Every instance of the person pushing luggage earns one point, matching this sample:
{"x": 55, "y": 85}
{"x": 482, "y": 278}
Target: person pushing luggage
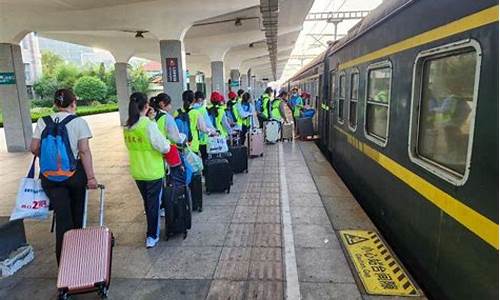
{"x": 65, "y": 186}
{"x": 277, "y": 107}
{"x": 146, "y": 146}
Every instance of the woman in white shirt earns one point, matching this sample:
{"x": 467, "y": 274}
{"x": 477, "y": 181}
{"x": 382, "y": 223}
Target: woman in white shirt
{"x": 67, "y": 197}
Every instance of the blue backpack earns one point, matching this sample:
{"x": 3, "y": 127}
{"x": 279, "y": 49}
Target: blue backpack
{"x": 182, "y": 122}
{"x": 212, "y": 114}
{"x": 57, "y": 162}
{"x": 258, "y": 105}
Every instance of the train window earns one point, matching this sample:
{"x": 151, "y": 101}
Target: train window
{"x": 332, "y": 89}
{"x": 445, "y": 93}
{"x": 341, "y": 99}
{"x": 377, "y": 103}
{"x": 353, "y": 101}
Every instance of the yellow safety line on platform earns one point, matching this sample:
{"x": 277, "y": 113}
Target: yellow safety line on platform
{"x": 468, "y": 217}
{"x": 484, "y": 17}
{"x": 379, "y": 272}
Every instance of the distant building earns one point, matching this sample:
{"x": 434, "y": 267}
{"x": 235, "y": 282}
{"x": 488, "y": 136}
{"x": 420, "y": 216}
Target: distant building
{"x": 32, "y": 61}
{"x": 77, "y": 54}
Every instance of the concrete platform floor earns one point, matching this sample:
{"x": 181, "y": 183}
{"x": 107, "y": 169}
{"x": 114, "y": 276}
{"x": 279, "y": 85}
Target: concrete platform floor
{"x": 239, "y": 246}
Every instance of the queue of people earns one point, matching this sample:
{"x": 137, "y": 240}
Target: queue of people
{"x": 153, "y": 131}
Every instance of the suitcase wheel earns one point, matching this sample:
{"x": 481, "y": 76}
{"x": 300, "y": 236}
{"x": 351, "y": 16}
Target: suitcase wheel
{"x": 63, "y": 296}
{"x": 200, "y": 209}
{"x": 262, "y": 154}
{"x": 103, "y": 292}
{"x": 246, "y": 171}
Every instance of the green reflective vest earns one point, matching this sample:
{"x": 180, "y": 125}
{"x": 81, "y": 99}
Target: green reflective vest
{"x": 236, "y": 112}
{"x": 193, "y": 115}
{"x": 246, "y": 121}
{"x": 220, "y": 110}
{"x": 193, "y": 125}
{"x": 202, "y": 110}
{"x": 161, "y": 124}
{"x": 265, "y": 105}
{"x": 146, "y": 163}
{"x": 299, "y": 105}
{"x": 275, "y": 109}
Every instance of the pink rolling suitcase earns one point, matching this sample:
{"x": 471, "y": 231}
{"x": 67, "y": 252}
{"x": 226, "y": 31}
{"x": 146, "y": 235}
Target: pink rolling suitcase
{"x": 255, "y": 143}
{"x": 85, "y": 264}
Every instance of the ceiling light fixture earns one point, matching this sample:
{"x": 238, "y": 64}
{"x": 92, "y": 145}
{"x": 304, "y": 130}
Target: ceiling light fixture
{"x": 139, "y": 34}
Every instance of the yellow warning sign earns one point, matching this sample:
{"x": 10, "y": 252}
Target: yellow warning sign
{"x": 380, "y": 273}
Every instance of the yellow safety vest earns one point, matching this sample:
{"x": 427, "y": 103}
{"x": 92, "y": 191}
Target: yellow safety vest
{"x": 146, "y": 163}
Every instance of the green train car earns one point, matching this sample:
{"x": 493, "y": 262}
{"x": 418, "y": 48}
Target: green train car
{"x": 408, "y": 115}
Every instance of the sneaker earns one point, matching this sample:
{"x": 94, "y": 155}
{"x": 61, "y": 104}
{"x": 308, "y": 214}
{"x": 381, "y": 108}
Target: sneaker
{"x": 151, "y": 242}
{"x": 162, "y": 213}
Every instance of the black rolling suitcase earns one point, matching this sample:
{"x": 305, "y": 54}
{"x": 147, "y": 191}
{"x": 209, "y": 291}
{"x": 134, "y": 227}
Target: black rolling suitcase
{"x": 178, "y": 211}
{"x": 219, "y": 174}
{"x": 239, "y": 155}
{"x": 196, "y": 193}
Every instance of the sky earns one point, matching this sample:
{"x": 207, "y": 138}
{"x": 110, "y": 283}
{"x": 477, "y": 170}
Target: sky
{"x": 307, "y": 46}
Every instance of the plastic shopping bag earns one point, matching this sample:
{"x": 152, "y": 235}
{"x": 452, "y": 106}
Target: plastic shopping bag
{"x": 216, "y": 145}
{"x": 194, "y": 161}
{"x": 31, "y": 202}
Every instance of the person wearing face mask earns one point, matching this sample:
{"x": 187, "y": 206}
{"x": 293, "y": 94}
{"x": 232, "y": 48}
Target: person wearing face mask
{"x": 246, "y": 110}
{"x": 146, "y": 146}
{"x": 162, "y": 105}
{"x": 200, "y": 106}
{"x": 193, "y": 119}
{"x": 296, "y": 103}
{"x": 217, "y": 112}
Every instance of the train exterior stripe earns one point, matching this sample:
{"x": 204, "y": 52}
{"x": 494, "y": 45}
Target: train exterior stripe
{"x": 483, "y": 227}
{"x": 484, "y": 17}
{"x": 445, "y": 231}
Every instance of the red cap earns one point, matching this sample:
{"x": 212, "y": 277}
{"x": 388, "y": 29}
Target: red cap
{"x": 216, "y": 97}
{"x": 232, "y": 95}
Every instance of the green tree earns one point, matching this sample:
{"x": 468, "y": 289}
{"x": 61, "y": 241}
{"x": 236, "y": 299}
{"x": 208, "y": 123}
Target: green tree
{"x": 66, "y": 75}
{"x": 101, "y": 73}
{"x": 89, "y": 88}
{"x": 50, "y": 61}
{"x": 141, "y": 82}
{"x": 46, "y": 87}
{"x": 89, "y": 70}
{"x": 110, "y": 81}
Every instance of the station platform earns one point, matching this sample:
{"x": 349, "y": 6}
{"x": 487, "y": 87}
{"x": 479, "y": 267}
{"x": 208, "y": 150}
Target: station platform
{"x": 275, "y": 236}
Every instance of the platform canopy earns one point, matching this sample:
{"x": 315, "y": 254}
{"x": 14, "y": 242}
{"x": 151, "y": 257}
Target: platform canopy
{"x": 236, "y": 31}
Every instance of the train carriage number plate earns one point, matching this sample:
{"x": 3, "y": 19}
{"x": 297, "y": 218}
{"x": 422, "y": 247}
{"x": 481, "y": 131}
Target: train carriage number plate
{"x": 379, "y": 272}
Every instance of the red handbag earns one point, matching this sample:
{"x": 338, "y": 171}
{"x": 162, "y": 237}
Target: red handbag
{"x": 172, "y": 157}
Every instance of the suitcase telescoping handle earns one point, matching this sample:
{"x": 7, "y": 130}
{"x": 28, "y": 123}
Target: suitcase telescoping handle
{"x": 101, "y": 188}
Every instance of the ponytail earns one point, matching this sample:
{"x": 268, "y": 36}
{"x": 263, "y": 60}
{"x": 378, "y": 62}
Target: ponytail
{"x": 137, "y": 103}
{"x": 154, "y": 103}
{"x": 64, "y": 98}
{"x": 187, "y": 99}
